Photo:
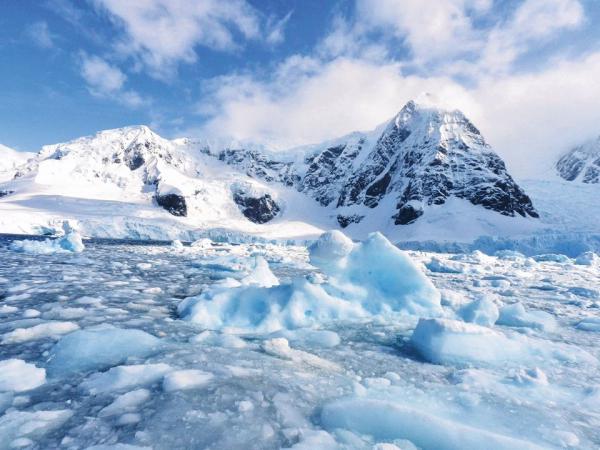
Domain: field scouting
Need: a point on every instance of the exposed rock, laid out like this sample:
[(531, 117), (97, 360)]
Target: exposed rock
[(344, 221), (174, 203), (257, 209)]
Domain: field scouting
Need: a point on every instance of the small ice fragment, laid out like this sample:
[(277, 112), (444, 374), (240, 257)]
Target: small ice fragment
[(482, 311), (186, 379), (16, 375), (125, 377)]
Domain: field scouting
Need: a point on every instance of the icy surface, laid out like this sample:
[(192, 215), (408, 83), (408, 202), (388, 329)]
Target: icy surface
[(125, 371)]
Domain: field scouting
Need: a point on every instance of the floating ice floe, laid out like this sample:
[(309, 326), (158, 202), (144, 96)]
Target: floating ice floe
[(364, 280), (186, 379), (71, 242), (125, 377), (51, 329), (16, 375), (98, 348), (515, 315), (126, 403), (389, 420), (451, 342)]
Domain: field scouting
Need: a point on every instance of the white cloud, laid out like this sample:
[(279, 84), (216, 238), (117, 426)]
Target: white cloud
[(276, 28), (532, 22), (40, 35), (433, 29), (162, 33), (107, 81), (529, 119)]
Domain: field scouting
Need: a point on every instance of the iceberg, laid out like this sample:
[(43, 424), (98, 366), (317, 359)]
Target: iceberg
[(364, 280)]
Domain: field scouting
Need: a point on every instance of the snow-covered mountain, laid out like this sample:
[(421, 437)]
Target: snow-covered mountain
[(10, 160), (582, 163), (426, 173)]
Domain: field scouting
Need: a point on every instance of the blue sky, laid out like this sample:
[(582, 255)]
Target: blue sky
[(287, 72)]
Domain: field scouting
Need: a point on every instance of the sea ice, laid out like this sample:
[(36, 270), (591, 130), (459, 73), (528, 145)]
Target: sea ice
[(16, 375), (98, 348)]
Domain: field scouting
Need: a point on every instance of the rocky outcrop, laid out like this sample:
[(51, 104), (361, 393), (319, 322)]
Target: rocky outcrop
[(256, 208), (174, 203)]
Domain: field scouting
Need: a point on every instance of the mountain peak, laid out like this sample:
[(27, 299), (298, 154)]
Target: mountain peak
[(581, 163)]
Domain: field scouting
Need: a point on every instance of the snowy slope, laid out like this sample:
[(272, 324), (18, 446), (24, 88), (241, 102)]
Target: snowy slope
[(582, 163), (10, 160)]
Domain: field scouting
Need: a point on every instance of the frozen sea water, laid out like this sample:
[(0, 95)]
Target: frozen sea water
[(172, 384)]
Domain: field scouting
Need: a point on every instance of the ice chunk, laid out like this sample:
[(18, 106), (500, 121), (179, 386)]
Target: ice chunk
[(70, 242), (515, 315), (29, 425), (385, 279), (219, 340), (176, 244), (186, 379), (17, 375), (306, 336), (387, 420), (280, 347), (510, 255), (552, 257), (43, 330), (261, 274), (445, 341), (125, 377), (437, 265), (589, 324), (588, 259), (117, 447), (99, 348), (124, 403), (330, 249), (373, 278), (259, 309), (482, 311)]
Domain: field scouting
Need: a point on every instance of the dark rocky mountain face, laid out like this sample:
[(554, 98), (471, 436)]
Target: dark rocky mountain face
[(581, 164), (257, 209), (173, 203), (424, 156)]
